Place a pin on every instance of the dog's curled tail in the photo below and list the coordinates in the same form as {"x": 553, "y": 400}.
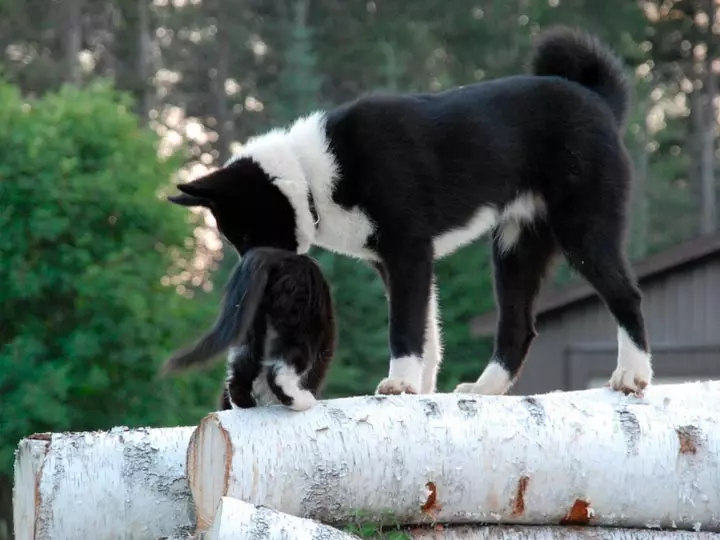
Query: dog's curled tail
{"x": 243, "y": 294}
{"x": 582, "y": 58}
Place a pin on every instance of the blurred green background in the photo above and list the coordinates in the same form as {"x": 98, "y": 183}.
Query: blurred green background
{"x": 105, "y": 104}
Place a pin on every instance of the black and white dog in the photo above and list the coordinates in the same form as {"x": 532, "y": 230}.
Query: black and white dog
{"x": 537, "y": 161}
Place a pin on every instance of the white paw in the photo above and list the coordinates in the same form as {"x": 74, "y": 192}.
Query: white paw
{"x": 633, "y": 379}
{"x": 634, "y": 366}
{"x": 395, "y": 386}
{"x": 477, "y": 388}
{"x": 303, "y": 401}
{"x": 466, "y": 388}
{"x": 494, "y": 381}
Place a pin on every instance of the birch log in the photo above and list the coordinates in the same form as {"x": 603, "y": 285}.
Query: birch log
{"x": 689, "y": 395}
{"x": 467, "y": 459}
{"x": 123, "y": 483}
{"x": 533, "y": 532}
{"x": 238, "y": 520}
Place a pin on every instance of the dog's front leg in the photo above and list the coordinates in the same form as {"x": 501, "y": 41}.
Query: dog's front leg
{"x": 408, "y": 277}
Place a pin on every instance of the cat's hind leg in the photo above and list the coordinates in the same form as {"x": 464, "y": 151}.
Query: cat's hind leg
{"x": 286, "y": 384}
{"x": 242, "y": 371}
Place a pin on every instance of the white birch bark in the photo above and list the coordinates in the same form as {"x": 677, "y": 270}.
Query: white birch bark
{"x": 689, "y": 395}
{"x": 535, "y": 532}
{"x": 491, "y": 459}
{"x": 238, "y": 520}
{"x": 123, "y": 483}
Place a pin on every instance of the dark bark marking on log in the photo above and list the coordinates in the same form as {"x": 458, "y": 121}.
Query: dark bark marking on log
{"x": 431, "y": 506}
{"x": 46, "y": 436}
{"x": 337, "y": 414}
{"x": 518, "y": 502}
{"x": 536, "y": 410}
{"x": 689, "y": 438}
{"x": 631, "y": 429}
{"x": 431, "y": 408}
{"x": 579, "y": 514}
{"x": 468, "y": 407}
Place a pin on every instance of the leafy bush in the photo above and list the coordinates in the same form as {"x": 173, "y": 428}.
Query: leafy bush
{"x": 84, "y": 244}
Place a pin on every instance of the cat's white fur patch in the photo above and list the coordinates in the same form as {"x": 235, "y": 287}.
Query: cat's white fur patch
{"x": 494, "y": 381}
{"x": 289, "y": 381}
{"x": 634, "y": 366}
{"x": 432, "y": 350}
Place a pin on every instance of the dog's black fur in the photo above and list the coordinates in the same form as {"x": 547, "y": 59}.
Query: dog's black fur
{"x": 417, "y": 169}
{"x": 277, "y": 319}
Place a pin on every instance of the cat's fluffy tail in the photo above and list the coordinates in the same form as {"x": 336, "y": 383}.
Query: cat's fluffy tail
{"x": 243, "y": 294}
{"x": 582, "y": 58}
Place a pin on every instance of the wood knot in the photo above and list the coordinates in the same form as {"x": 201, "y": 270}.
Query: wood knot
{"x": 518, "y": 502}
{"x": 431, "y": 506}
{"x": 689, "y": 438}
{"x": 579, "y": 514}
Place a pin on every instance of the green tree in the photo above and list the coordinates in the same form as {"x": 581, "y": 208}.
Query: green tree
{"x": 88, "y": 257}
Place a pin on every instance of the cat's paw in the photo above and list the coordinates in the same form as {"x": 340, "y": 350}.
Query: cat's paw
{"x": 395, "y": 386}
{"x": 631, "y": 379}
{"x": 303, "y": 401}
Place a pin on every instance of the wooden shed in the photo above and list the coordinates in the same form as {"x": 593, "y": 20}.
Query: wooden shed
{"x": 576, "y": 347}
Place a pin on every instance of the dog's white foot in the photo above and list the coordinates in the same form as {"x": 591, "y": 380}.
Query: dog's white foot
{"x": 395, "y": 386}
{"x": 631, "y": 380}
{"x": 634, "y": 367}
{"x": 494, "y": 381}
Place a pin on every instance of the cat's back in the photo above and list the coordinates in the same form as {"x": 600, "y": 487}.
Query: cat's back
{"x": 297, "y": 296}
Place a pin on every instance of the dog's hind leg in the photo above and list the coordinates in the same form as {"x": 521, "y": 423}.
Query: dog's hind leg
{"x": 519, "y": 268}
{"x": 594, "y": 248}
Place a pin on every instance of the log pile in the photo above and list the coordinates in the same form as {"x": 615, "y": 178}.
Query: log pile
{"x": 584, "y": 464}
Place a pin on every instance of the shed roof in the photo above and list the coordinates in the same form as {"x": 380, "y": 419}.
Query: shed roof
{"x": 688, "y": 253}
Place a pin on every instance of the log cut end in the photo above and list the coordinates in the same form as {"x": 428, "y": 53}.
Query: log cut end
{"x": 29, "y": 460}
{"x": 209, "y": 451}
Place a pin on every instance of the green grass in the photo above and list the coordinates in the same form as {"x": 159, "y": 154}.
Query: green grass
{"x": 367, "y": 526}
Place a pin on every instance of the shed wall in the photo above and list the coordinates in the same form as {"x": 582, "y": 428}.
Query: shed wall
{"x": 682, "y": 308}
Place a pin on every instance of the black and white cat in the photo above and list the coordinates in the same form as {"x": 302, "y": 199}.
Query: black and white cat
{"x": 277, "y": 320}
{"x": 537, "y": 161}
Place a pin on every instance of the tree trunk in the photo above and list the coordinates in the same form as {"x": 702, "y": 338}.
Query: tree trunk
{"x": 72, "y": 39}
{"x": 709, "y": 127}
{"x": 238, "y": 520}
{"x": 102, "y": 485}
{"x": 469, "y": 459}
{"x": 5, "y": 507}
{"x": 144, "y": 102}
{"x": 222, "y": 111}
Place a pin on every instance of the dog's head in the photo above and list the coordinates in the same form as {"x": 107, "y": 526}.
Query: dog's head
{"x": 251, "y": 207}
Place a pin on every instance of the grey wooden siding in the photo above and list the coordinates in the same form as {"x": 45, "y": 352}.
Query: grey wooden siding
{"x": 682, "y": 310}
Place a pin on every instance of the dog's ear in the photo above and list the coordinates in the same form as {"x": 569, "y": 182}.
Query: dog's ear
{"x": 188, "y": 200}
{"x": 209, "y": 187}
